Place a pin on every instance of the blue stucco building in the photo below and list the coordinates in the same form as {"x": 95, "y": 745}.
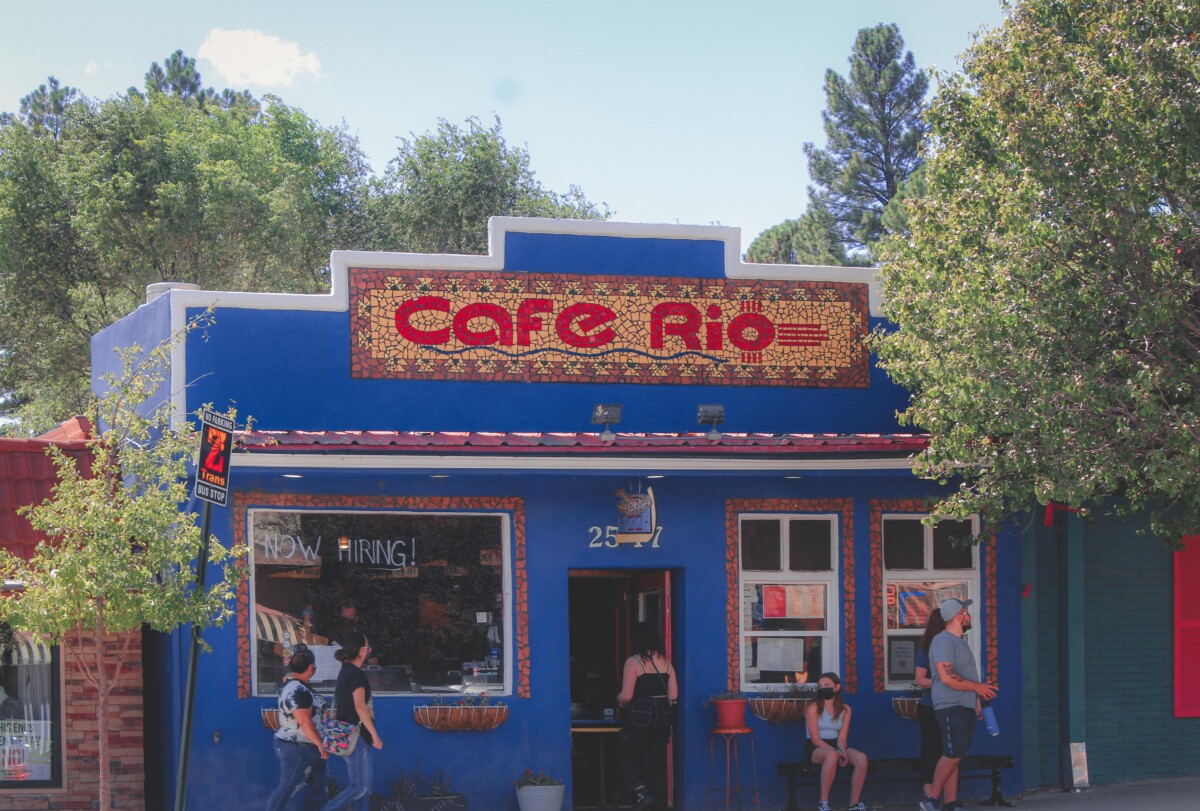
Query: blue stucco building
{"x": 424, "y": 463}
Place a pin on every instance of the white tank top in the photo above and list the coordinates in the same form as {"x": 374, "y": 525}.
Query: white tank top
{"x": 828, "y": 727}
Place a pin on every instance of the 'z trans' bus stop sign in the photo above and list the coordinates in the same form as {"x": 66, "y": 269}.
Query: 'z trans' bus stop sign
{"x": 212, "y": 474}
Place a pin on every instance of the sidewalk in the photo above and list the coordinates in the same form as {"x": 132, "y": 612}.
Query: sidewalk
{"x": 1175, "y": 794}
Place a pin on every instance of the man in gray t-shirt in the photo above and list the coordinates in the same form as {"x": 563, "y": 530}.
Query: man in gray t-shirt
{"x": 946, "y": 647}
{"x": 957, "y": 692}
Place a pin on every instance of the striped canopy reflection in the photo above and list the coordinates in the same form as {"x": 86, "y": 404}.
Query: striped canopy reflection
{"x": 271, "y": 625}
{"x": 27, "y": 649}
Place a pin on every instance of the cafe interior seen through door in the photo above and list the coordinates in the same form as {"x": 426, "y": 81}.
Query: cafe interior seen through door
{"x": 604, "y": 605}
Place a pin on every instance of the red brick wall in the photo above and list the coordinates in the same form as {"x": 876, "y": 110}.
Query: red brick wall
{"x": 81, "y": 776}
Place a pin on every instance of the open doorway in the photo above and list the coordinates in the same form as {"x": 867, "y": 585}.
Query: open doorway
{"x": 604, "y": 604}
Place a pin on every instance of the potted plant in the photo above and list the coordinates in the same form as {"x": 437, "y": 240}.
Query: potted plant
{"x": 731, "y": 709}
{"x": 413, "y": 791}
{"x": 537, "y": 791}
{"x": 474, "y": 713}
{"x": 786, "y": 706}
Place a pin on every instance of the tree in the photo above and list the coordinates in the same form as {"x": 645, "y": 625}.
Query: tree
{"x": 156, "y": 187}
{"x": 439, "y": 191}
{"x": 1048, "y": 294}
{"x": 120, "y": 550}
{"x": 179, "y": 78}
{"x": 873, "y": 127}
{"x": 47, "y": 107}
{"x": 807, "y": 241}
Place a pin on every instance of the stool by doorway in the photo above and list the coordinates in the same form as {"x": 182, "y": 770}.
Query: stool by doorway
{"x": 730, "y": 796}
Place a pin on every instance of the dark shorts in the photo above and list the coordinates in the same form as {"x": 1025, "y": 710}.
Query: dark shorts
{"x": 809, "y": 748}
{"x": 957, "y": 725}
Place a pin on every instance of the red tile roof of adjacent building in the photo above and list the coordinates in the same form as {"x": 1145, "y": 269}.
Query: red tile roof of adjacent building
{"x": 480, "y": 442}
{"x": 27, "y": 476}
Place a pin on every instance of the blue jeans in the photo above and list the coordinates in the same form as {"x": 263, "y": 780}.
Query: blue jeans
{"x": 358, "y": 765}
{"x": 300, "y": 766}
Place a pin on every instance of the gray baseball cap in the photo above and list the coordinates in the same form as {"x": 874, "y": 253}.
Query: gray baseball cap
{"x": 952, "y": 606}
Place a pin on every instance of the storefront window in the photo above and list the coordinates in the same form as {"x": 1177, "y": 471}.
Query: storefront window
{"x": 30, "y": 714}
{"x": 426, "y": 589}
{"x": 922, "y": 566}
{"x": 788, "y": 586}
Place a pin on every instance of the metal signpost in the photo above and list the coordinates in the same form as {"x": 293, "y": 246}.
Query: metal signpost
{"x": 211, "y": 487}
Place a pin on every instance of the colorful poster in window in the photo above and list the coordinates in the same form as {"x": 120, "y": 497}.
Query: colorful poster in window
{"x": 910, "y": 603}
{"x": 805, "y": 601}
{"x": 568, "y": 328}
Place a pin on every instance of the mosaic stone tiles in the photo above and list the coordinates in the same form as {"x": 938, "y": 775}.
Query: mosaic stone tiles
{"x": 538, "y": 327}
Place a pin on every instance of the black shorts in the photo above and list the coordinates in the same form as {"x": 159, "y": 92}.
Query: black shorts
{"x": 957, "y": 725}
{"x": 809, "y": 748}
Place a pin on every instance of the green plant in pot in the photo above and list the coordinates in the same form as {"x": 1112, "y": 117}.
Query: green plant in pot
{"x": 415, "y": 791}
{"x": 538, "y": 791}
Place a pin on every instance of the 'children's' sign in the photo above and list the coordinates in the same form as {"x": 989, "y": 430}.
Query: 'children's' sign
{"x": 447, "y": 325}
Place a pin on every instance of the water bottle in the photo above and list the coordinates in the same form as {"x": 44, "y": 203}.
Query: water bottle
{"x": 989, "y": 719}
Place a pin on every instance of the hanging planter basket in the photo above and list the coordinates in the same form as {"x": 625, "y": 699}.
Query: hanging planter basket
{"x": 270, "y": 717}
{"x": 780, "y": 710}
{"x": 906, "y": 707}
{"x": 455, "y": 718}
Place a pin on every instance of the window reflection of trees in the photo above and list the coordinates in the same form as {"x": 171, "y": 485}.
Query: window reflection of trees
{"x": 426, "y": 623}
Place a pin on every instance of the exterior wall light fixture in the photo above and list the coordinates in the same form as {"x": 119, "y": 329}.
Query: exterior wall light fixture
{"x": 608, "y": 415}
{"x": 712, "y": 415}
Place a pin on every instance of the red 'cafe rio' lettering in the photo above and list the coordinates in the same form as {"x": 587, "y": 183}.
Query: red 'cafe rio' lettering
{"x": 582, "y": 325}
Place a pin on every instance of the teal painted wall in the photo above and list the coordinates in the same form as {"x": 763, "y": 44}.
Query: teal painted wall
{"x": 1131, "y": 730}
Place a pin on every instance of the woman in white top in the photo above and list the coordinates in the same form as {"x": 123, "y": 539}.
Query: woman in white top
{"x": 828, "y": 728}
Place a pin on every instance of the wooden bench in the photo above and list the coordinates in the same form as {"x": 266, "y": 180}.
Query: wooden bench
{"x": 897, "y": 770}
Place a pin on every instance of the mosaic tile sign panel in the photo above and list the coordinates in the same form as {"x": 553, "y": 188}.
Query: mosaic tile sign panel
{"x": 538, "y": 327}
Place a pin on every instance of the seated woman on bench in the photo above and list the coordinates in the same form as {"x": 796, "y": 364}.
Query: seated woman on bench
{"x": 828, "y": 720}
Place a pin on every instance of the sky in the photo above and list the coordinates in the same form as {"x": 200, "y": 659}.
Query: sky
{"x": 675, "y": 111}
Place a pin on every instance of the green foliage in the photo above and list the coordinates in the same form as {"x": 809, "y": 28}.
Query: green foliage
{"x": 536, "y": 778}
{"x": 810, "y": 240}
{"x": 439, "y": 191}
{"x": 149, "y": 188}
{"x": 895, "y": 213}
{"x": 120, "y": 549}
{"x": 1048, "y": 294}
{"x": 873, "y": 128}
{"x": 181, "y": 183}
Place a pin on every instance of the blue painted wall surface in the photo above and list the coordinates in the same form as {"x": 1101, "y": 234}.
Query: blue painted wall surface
{"x": 289, "y": 370}
{"x": 559, "y": 508}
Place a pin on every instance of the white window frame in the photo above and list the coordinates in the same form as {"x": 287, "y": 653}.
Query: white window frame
{"x": 970, "y": 576}
{"x": 831, "y": 579}
{"x": 506, "y": 583}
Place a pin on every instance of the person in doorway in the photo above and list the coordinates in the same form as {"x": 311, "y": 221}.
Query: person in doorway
{"x": 957, "y": 693}
{"x": 931, "y": 736}
{"x": 297, "y": 745}
{"x": 828, "y": 730}
{"x": 352, "y": 704}
{"x": 649, "y": 689}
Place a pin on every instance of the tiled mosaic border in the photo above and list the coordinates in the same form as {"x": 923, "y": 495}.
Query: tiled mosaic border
{"x": 244, "y": 500}
{"x": 734, "y": 508}
{"x": 991, "y": 628}
{"x": 587, "y": 368}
